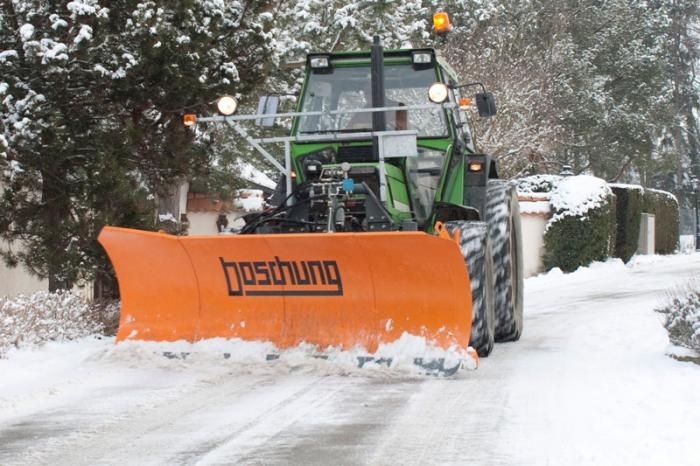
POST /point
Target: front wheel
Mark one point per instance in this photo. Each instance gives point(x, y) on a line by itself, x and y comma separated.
point(475, 245)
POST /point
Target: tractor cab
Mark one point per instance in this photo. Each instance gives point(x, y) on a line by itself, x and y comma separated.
point(338, 95)
point(393, 118)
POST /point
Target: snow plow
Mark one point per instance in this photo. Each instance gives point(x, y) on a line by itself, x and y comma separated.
point(290, 288)
point(386, 222)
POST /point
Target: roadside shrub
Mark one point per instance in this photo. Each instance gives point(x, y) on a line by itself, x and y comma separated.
point(682, 317)
point(31, 320)
point(537, 184)
point(628, 210)
point(664, 206)
point(582, 229)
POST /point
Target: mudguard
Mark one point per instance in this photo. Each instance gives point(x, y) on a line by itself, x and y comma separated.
point(330, 289)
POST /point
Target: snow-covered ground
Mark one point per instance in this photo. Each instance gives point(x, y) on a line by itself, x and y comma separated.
point(588, 383)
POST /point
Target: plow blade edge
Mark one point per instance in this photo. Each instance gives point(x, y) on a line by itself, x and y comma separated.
point(339, 290)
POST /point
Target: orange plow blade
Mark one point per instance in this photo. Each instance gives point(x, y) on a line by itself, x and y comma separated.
point(333, 290)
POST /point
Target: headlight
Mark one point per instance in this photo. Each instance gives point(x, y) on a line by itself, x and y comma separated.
point(319, 61)
point(437, 93)
point(422, 58)
point(227, 105)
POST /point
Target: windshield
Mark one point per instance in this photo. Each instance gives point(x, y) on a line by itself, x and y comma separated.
point(345, 89)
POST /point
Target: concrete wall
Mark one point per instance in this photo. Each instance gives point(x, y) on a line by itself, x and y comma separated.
point(535, 211)
point(202, 223)
point(647, 237)
point(203, 214)
point(14, 281)
point(533, 244)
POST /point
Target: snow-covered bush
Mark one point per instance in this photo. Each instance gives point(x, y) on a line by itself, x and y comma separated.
point(30, 320)
point(682, 317)
point(537, 184)
point(582, 227)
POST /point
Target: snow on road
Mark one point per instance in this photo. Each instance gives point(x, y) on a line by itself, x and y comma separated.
point(588, 383)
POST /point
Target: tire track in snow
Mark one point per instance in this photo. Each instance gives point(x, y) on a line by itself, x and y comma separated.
point(186, 426)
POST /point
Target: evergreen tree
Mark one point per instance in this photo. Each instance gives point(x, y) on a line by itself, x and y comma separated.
point(91, 119)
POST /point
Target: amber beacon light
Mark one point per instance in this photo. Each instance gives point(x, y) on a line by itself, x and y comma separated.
point(441, 23)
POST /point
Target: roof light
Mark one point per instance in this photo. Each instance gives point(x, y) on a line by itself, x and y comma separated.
point(464, 103)
point(319, 61)
point(441, 23)
point(422, 58)
point(189, 119)
point(437, 93)
point(227, 105)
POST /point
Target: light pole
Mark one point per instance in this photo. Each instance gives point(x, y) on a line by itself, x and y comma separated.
point(694, 182)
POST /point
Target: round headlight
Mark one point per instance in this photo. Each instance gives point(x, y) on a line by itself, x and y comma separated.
point(437, 93)
point(227, 105)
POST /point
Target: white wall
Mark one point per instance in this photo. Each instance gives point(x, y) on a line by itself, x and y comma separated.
point(687, 244)
point(533, 243)
point(535, 211)
point(203, 223)
point(14, 281)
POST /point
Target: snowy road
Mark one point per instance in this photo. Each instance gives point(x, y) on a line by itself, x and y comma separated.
point(587, 384)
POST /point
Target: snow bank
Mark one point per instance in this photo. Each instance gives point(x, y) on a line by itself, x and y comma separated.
point(35, 320)
point(394, 359)
point(32, 320)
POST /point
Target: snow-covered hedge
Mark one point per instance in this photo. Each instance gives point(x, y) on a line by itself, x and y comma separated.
point(628, 208)
point(582, 227)
point(30, 320)
point(593, 220)
point(682, 318)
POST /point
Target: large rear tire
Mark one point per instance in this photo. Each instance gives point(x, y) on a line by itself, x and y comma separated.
point(476, 249)
point(503, 218)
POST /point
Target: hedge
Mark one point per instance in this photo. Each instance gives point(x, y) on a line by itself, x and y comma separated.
point(576, 237)
point(593, 221)
point(666, 210)
point(628, 210)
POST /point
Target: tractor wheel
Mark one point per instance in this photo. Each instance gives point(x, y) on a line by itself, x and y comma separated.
point(503, 218)
point(476, 250)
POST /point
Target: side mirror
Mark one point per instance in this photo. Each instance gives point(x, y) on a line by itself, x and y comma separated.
point(267, 105)
point(486, 104)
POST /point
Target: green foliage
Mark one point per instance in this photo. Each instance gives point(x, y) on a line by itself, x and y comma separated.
point(537, 183)
point(664, 206)
point(91, 117)
point(582, 227)
point(588, 84)
point(575, 241)
point(628, 213)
